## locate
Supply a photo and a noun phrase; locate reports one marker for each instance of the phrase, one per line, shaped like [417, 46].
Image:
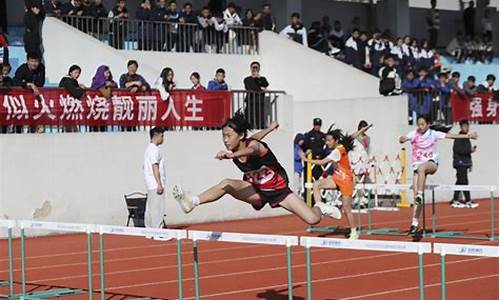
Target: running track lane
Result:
[139, 267]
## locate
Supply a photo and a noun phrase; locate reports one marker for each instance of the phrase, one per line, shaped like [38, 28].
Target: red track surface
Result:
[136, 267]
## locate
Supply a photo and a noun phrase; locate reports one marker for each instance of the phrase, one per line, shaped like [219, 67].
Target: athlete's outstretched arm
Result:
[253, 149]
[260, 135]
[403, 139]
[462, 136]
[361, 131]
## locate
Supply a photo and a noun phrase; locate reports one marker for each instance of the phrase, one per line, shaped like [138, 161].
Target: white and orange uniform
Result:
[342, 174]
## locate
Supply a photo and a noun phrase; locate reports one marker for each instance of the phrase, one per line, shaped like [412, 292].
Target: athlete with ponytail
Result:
[264, 180]
[343, 177]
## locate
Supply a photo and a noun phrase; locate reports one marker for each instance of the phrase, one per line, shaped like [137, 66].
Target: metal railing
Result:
[131, 34]
[432, 103]
[260, 108]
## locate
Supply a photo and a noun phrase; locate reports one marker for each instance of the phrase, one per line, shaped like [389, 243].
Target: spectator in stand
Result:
[165, 83]
[31, 75]
[456, 47]
[118, 27]
[364, 52]
[159, 14]
[73, 8]
[315, 38]
[145, 32]
[298, 167]
[326, 27]
[255, 101]
[462, 162]
[98, 11]
[231, 16]
[314, 142]
[433, 23]
[488, 85]
[469, 18]
[425, 85]
[218, 83]
[265, 20]
[206, 27]
[195, 80]
[296, 31]
[173, 18]
[103, 81]
[336, 35]
[53, 7]
[455, 83]
[377, 50]
[33, 17]
[4, 48]
[248, 38]
[221, 33]
[426, 57]
[470, 86]
[351, 54]
[408, 85]
[70, 83]
[444, 89]
[389, 79]
[5, 80]
[187, 32]
[487, 24]
[133, 81]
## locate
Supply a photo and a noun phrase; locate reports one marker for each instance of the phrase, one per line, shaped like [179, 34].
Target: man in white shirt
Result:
[154, 177]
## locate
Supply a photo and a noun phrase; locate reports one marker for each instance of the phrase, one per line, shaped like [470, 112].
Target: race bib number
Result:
[423, 155]
[261, 176]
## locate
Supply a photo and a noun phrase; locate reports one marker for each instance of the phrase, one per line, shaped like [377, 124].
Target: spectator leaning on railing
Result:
[118, 30]
[488, 85]
[5, 80]
[31, 75]
[53, 7]
[165, 84]
[187, 34]
[103, 81]
[218, 83]
[296, 31]
[133, 81]
[195, 80]
[70, 83]
[470, 87]
[265, 19]
[455, 83]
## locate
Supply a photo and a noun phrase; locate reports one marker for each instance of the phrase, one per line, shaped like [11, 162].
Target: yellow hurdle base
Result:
[404, 205]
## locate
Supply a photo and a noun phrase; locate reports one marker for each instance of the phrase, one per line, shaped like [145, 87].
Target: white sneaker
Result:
[458, 204]
[329, 210]
[472, 204]
[354, 235]
[181, 197]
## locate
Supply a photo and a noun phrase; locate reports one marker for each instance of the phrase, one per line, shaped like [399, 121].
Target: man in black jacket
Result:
[314, 142]
[462, 162]
[31, 75]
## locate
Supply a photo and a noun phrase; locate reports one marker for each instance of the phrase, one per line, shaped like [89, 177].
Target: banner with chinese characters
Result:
[482, 107]
[56, 107]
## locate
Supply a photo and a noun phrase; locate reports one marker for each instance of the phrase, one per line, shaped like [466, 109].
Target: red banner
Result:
[57, 108]
[482, 107]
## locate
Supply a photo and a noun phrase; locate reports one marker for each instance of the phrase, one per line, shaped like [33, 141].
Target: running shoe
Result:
[413, 230]
[181, 197]
[471, 204]
[354, 235]
[458, 204]
[329, 210]
[419, 199]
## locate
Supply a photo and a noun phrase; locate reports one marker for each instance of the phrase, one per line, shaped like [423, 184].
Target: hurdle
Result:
[163, 234]
[462, 250]
[460, 234]
[246, 238]
[56, 227]
[368, 245]
[9, 224]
